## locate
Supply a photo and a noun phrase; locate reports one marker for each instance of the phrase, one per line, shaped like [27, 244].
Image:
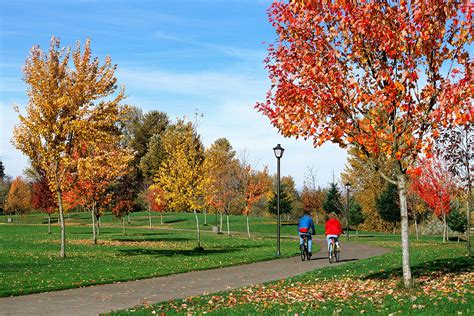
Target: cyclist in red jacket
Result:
[333, 229]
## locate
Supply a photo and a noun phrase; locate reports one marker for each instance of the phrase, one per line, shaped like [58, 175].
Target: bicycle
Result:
[304, 248]
[334, 252]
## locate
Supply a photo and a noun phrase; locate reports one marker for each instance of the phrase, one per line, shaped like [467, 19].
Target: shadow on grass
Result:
[460, 264]
[153, 239]
[172, 221]
[455, 238]
[171, 253]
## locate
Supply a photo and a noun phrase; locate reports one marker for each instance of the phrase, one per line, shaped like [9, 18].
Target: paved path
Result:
[103, 298]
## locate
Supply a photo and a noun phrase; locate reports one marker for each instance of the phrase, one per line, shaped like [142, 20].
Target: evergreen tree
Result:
[388, 205]
[285, 202]
[333, 200]
[457, 221]
[356, 217]
[2, 171]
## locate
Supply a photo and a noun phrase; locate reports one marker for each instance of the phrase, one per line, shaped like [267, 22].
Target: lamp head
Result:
[278, 150]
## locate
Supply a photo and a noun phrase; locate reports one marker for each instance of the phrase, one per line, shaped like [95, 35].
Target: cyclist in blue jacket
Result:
[306, 227]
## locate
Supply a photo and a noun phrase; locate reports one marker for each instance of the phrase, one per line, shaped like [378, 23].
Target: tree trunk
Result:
[357, 230]
[128, 218]
[416, 229]
[205, 217]
[468, 214]
[123, 226]
[94, 235]
[228, 227]
[197, 229]
[49, 223]
[98, 224]
[61, 222]
[161, 218]
[407, 278]
[444, 228]
[248, 226]
[149, 215]
[220, 227]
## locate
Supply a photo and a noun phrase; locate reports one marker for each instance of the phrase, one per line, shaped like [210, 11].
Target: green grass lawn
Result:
[29, 257]
[444, 286]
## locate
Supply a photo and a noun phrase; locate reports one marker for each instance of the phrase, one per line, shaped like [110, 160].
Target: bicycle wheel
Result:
[331, 253]
[337, 254]
[303, 252]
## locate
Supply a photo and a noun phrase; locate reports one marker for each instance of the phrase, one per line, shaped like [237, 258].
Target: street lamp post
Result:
[278, 150]
[348, 188]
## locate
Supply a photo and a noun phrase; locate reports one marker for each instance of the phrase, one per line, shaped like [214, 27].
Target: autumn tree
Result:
[418, 211]
[312, 196]
[366, 185]
[435, 185]
[97, 167]
[383, 76]
[42, 198]
[456, 147]
[180, 174]
[19, 197]
[71, 99]
[220, 178]
[255, 184]
[155, 198]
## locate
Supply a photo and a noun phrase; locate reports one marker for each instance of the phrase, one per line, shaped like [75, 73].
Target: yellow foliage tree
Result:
[181, 173]
[66, 106]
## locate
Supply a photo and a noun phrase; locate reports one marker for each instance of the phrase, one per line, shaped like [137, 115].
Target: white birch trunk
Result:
[416, 229]
[49, 223]
[407, 277]
[94, 234]
[248, 226]
[61, 222]
[228, 226]
[149, 216]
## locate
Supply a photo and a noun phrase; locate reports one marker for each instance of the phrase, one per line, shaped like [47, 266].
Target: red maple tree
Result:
[434, 184]
[382, 76]
[42, 199]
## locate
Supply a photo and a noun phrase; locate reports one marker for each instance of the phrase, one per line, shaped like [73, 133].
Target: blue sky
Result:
[173, 56]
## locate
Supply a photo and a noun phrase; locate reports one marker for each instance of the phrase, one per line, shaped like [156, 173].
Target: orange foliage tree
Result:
[155, 198]
[97, 167]
[19, 197]
[380, 75]
[255, 185]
